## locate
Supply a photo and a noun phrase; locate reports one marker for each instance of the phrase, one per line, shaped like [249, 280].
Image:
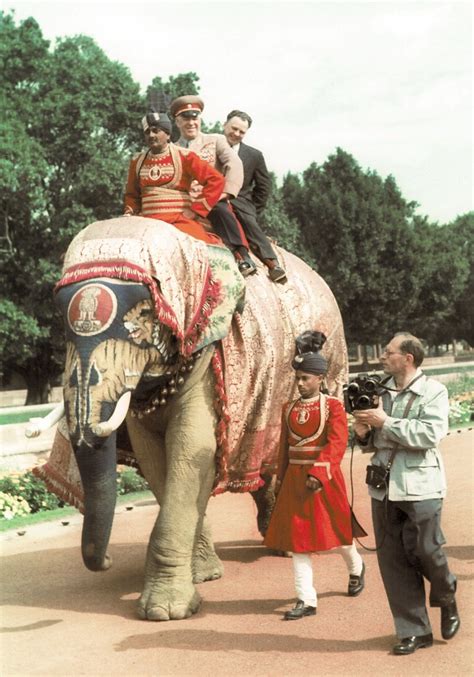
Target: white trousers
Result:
[303, 570]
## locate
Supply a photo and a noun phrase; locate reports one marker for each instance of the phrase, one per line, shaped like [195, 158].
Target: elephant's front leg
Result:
[206, 564]
[169, 592]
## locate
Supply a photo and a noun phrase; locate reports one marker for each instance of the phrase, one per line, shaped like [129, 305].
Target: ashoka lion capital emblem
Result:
[92, 310]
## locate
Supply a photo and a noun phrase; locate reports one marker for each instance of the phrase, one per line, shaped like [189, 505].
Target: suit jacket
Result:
[417, 471]
[214, 149]
[256, 188]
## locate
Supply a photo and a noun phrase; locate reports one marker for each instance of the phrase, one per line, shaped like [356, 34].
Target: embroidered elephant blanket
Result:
[199, 294]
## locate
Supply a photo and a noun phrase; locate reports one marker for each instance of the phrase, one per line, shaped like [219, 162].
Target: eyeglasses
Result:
[392, 352]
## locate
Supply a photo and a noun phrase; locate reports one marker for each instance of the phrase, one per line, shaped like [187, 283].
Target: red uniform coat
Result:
[158, 187]
[303, 520]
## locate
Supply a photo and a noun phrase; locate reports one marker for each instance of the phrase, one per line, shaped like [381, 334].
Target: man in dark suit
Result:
[253, 195]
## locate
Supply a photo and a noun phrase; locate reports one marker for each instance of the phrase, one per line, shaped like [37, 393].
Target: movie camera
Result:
[363, 392]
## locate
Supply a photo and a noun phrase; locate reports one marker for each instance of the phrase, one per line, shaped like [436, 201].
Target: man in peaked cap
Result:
[214, 149]
[191, 106]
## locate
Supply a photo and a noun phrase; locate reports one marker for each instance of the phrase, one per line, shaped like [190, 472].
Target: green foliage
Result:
[128, 481]
[445, 277]
[462, 385]
[32, 490]
[70, 123]
[179, 85]
[25, 330]
[12, 506]
[460, 412]
[22, 493]
[461, 400]
[360, 231]
[450, 291]
[282, 228]
[388, 268]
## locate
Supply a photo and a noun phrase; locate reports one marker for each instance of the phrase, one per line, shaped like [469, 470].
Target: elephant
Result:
[164, 334]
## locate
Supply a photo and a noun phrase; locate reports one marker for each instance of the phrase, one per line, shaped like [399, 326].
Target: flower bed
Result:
[23, 493]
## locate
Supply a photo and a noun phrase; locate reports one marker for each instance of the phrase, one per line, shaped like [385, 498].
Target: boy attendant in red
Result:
[312, 512]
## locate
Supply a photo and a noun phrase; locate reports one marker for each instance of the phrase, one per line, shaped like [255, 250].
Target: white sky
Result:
[389, 82]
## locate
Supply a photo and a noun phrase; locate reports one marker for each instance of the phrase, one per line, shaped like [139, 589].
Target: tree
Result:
[283, 228]
[71, 123]
[362, 234]
[446, 312]
[182, 85]
[462, 323]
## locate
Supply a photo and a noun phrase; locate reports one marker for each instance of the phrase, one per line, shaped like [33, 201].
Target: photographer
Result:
[403, 432]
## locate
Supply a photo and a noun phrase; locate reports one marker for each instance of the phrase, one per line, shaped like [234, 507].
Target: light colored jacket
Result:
[214, 148]
[417, 471]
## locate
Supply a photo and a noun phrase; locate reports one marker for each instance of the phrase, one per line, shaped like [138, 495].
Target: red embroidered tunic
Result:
[160, 189]
[313, 431]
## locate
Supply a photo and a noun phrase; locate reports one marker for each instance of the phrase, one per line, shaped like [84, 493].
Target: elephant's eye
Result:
[145, 312]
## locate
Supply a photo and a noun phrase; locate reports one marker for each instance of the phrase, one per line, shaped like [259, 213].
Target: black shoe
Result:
[356, 583]
[299, 610]
[247, 268]
[411, 644]
[277, 274]
[450, 621]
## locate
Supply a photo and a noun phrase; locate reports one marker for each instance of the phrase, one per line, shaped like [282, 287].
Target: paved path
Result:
[60, 619]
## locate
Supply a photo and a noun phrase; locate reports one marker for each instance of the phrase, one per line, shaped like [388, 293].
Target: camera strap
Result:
[408, 406]
[394, 390]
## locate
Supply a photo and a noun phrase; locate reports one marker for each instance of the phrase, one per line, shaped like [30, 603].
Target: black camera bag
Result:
[377, 476]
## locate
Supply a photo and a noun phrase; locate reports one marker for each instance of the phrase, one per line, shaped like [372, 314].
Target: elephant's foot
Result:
[162, 600]
[206, 567]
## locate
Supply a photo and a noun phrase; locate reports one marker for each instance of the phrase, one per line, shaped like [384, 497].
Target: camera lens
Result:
[363, 402]
[353, 389]
[370, 386]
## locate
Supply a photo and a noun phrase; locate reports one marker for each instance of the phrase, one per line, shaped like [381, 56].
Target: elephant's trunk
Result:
[98, 468]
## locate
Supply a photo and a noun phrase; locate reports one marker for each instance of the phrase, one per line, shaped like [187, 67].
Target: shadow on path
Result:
[212, 640]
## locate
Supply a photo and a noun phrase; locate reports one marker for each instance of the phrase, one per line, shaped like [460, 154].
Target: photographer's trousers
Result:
[409, 540]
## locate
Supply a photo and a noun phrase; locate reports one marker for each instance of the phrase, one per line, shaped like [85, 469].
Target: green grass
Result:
[60, 514]
[466, 425]
[23, 416]
[449, 369]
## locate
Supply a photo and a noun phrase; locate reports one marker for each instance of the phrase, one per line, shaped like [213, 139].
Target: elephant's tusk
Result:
[38, 425]
[105, 428]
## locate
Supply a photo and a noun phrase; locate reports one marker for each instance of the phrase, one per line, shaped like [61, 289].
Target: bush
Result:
[461, 400]
[463, 385]
[12, 506]
[128, 481]
[32, 490]
[24, 493]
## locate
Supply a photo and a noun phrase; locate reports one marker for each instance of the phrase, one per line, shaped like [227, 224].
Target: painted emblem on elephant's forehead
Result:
[92, 310]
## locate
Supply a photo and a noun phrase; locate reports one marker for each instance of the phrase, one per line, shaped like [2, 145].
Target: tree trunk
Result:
[38, 374]
[365, 359]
